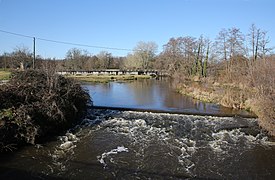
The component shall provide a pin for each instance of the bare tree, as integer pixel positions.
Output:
(132, 62)
(263, 45)
(142, 57)
(106, 59)
(72, 56)
(21, 57)
(254, 37)
(235, 42)
(221, 44)
(178, 55)
(145, 52)
(76, 59)
(188, 46)
(171, 56)
(230, 48)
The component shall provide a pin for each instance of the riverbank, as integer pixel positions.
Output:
(107, 78)
(36, 105)
(227, 95)
(234, 96)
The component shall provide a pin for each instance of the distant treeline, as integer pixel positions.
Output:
(231, 51)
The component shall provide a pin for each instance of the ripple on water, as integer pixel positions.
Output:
(165, 144)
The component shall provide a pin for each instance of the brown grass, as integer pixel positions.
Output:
(234, 98)
(264, 107)
(199, 92)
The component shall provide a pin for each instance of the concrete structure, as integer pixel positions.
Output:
(111, 72)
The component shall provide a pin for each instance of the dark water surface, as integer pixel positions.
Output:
(152, 94)
(113, 144)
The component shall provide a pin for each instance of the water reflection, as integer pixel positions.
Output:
(143, 93)
(151, 94)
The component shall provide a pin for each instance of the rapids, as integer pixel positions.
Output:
(111, 144)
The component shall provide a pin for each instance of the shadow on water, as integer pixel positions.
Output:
(13, 173)
(18, 165)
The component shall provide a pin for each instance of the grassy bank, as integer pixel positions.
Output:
(4, 75)
(36, 105)
(108, 78)
(237, 96)
(228, 95)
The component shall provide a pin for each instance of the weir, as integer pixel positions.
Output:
(174, 112)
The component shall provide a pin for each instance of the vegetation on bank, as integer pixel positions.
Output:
(227, 95)
(108, 78)
(254, 91)
(36, 105)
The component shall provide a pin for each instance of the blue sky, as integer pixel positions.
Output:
(123, 23)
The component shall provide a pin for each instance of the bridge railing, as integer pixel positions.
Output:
(110, 72)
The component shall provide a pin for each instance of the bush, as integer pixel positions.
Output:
(36, 105)
(264, 107)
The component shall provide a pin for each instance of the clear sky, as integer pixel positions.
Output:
(123, 23)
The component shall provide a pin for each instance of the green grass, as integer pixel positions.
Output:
(108, 78)
(4, 75)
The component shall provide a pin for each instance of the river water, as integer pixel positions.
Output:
(114, 144)
(152, 94)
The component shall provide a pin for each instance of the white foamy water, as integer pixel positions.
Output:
(105, 155)
(168, 145)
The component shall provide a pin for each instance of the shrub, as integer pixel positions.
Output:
(264, 107)
(36, 105)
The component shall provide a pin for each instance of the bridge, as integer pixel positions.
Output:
(112, 72)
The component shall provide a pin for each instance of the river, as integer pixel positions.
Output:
(115, 144)
(154, 95)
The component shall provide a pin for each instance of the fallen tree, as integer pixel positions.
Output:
(36, 105)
